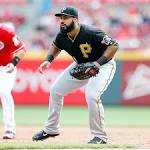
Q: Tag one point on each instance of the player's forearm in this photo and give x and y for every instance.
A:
(108, 54)
(110, 51)
(20, 54)
(53, 52)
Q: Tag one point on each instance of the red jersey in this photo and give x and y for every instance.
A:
(9, 44)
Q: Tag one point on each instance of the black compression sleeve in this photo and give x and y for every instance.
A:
(15, 60)
(50, 58)
(102, 60)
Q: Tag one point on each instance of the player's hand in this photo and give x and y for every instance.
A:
(10, 68)
(92, 71)
(45, 65)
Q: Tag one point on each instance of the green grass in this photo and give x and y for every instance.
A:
(115, 116)
(130, 116)
(23, 145)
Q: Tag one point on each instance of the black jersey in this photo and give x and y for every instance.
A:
(88, 46)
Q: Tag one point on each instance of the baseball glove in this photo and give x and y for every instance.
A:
(84, 71)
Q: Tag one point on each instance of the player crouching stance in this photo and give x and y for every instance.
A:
(93, 51)
(11, 51)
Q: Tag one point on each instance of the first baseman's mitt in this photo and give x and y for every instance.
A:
(84, 71)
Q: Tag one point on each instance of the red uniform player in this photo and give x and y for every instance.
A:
(11, 51)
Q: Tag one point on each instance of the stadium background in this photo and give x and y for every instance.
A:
(126, 21)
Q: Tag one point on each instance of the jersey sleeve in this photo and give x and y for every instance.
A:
(57, 42)
(105, 40)
(14, 43)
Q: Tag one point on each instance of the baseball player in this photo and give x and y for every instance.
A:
(11, 51)
(85, 44)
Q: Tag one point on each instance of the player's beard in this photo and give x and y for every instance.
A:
(68, 28)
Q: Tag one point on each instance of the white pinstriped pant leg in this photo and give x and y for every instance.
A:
(6, 85)
(94, 89)
(63, 85)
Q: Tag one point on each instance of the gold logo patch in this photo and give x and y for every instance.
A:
(85, 49)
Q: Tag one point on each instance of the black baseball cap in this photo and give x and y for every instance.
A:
(68, 11)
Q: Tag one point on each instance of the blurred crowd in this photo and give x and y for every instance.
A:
(128, 23)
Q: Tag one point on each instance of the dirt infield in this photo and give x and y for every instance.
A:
(139, 137)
